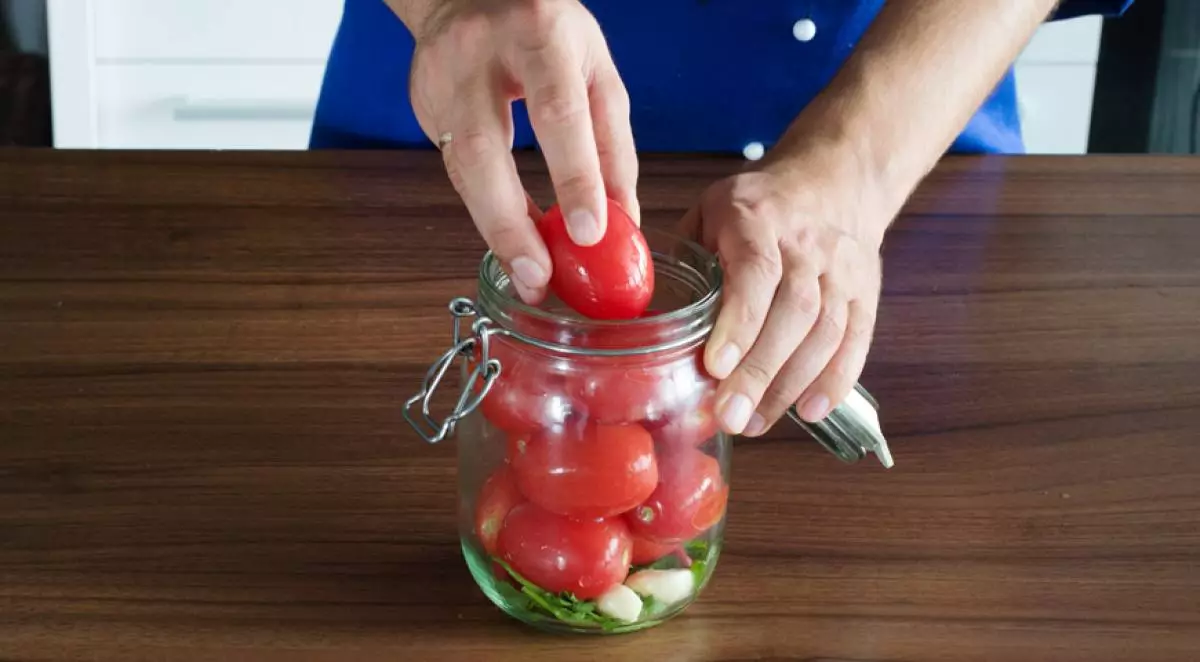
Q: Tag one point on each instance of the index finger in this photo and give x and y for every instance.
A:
(754, 270)
(481, 167)
(560, 113)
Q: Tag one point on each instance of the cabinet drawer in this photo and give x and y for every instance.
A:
(1056, 106)
(215, 29)
(206, 107)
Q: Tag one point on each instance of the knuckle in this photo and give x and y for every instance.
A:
(842, 380)
(753, 207)
(502, 237)
(577, 185)
(802, 293)
(755, 374)
(540, 20)
(831, 327)
(776, 399)
(757, 258)
(471, 148)
(862, 332)
(467, 30)
(555, 104)
(765, 265)
(801, 243)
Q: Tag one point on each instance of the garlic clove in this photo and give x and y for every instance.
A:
(666, 586)
(620, 602)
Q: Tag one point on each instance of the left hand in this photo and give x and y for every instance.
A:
(799, 242)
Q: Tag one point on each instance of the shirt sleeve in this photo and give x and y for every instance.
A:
(1074, 8)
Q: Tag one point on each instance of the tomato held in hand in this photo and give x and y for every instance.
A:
(584, 470)
(690, 498)
(497, 497)
(561, 554)
(610, 280)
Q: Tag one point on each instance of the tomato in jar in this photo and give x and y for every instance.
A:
(585, 470)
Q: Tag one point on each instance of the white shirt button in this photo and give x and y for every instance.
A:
(754, 151)
(804, 30)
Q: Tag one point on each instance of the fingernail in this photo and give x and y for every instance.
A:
(527, 295)
(815, 409)
(528, 273)
(756, 426)
(726, 360)
(583, 227)
(736, 413)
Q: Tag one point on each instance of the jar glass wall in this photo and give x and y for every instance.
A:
(593, 476)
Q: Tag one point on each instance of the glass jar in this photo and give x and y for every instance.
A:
(593, 475)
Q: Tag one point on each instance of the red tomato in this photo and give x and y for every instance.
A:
(561, 554)
(585, 471)
(690, 427)
(613, 279)
(626, 390)
(689, 405)
(647, 551)
(689, 499)
(528, 394)
(620, 390)
(497, 497)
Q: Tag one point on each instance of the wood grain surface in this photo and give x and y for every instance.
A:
(202, 455)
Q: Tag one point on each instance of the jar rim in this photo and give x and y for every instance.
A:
(692, 265)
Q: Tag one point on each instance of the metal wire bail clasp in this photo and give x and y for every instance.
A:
(487, 369)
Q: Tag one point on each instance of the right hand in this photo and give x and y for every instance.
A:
(473, 59)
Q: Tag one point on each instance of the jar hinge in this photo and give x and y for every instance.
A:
(486, 369)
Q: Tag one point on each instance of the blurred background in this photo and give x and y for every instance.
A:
(245, 74)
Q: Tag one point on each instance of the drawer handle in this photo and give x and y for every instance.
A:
(192, 109)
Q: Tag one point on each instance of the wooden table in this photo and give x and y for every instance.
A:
(202, 455)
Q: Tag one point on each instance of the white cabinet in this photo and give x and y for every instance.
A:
(214, 30)
(188, 74)
(245, 74)
(1056, 79)
(206, 106)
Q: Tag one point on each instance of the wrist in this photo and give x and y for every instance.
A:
(825, 158)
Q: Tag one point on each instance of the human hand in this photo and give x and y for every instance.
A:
(799, 242)
(473, 59)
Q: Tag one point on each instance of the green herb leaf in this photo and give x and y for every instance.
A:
(669, 562)
(696, 550)
(652, 607)
(513, 595)
(564, 607)
(698, 569)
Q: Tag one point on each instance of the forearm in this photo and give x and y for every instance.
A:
(918, 75)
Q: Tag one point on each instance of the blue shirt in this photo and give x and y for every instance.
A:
(702, 75)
